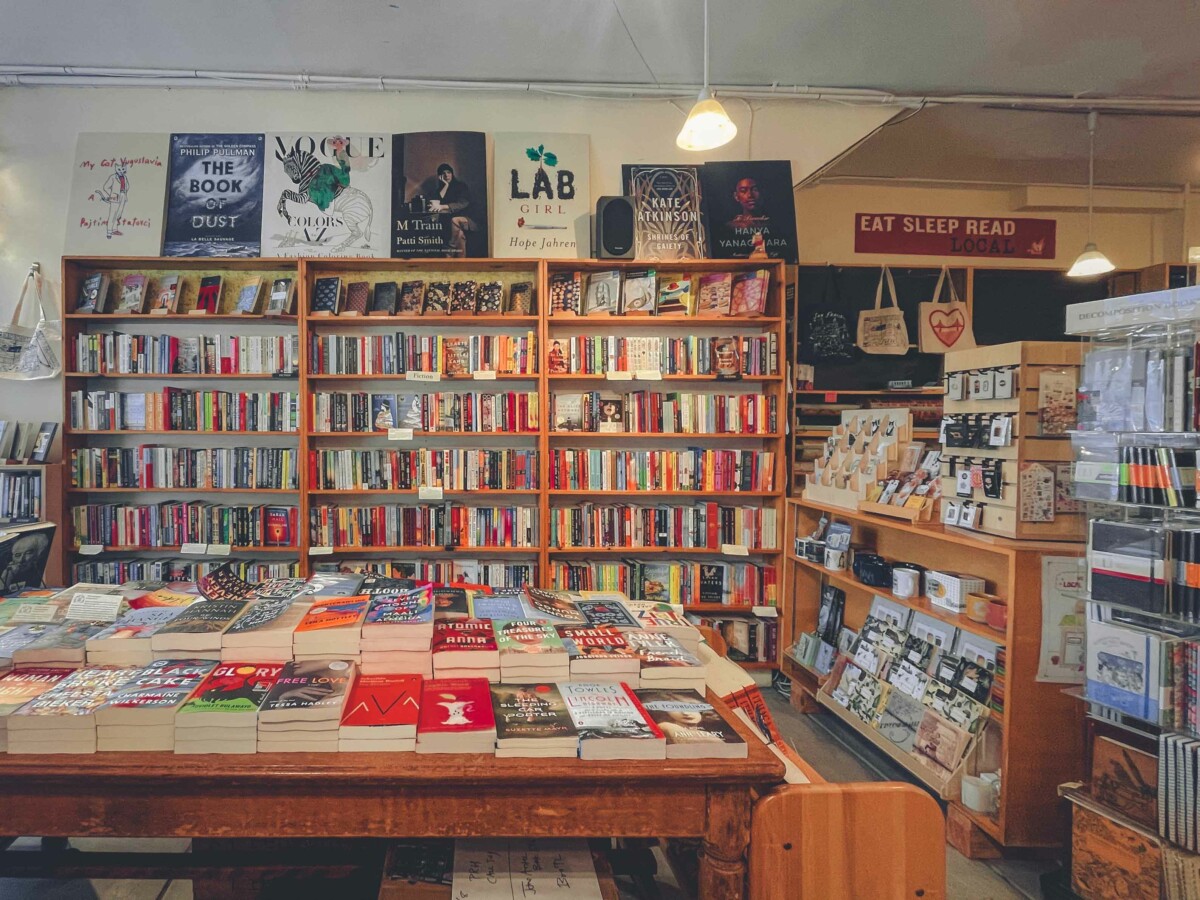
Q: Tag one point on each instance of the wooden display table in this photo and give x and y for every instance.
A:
(348, 795)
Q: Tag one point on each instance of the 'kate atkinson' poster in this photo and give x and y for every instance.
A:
(541, 195)
(439, 194)
(667, 220)
(214, 199)
(117, 192)
(745, 199)
(327, 195)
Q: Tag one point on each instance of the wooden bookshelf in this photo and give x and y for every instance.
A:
(1038, 732)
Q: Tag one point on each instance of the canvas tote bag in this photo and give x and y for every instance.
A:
(827, 337)
(26, 353)
(945, 326)
(882, 330)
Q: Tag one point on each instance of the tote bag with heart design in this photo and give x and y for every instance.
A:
(945, 326)
(881, 329)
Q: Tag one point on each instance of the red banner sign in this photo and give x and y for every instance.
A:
(916, 235)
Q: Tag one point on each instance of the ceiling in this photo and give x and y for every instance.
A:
(942, 46)
(968, 144)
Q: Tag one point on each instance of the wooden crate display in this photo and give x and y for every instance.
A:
(1034, 470)
(863, 448)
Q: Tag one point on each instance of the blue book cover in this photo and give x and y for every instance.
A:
(1118, 669)
(497, 607)
(214, 195)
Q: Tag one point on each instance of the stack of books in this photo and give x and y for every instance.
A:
(456, 717)
(691, 725)
(303, 711)
(664, 662)
(531, 651)
(59, 647)
(599, 653)
(331, 628)
(221, 716)
(611, 722)
(16, 637)
(381, 714)
(660, 618)
(264, 631)
(140, 714)
(532, 720)
(19, 687)
(127, 641)
(465, 648)
(196, 632)
(63, 720)
(398, 632)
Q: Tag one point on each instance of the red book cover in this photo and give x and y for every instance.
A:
(456, 706)
(335, 612)
(463, 634)
(383, 700)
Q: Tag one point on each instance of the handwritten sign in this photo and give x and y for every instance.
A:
(919, 235)
(501, 869)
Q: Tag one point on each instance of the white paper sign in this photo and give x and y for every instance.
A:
(35, 612)
(649, 375)
(400, 434)
(194, 549)
(766, 612)
(484, 375)
(91, 549)
(220, 549)
(422, 376)
(618, 376)
(735, 549)
(95, 607)
(501, 869)
(429, 493)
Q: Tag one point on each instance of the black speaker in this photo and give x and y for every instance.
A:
(612, 237)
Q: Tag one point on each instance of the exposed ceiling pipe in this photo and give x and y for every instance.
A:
(92, 76)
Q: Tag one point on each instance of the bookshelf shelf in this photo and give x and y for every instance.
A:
(176, 548)
(420, 435)
(181, 431)
(178, 490)
(658, 436)
(526, 551)
(732, 382)
(289, 321)
(446, 492)
(423, 321)
(664, 321)
(637, 551)
(186, 376)
(429, 385)
(656, 493)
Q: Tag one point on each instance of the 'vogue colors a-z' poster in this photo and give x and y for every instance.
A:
(214, 195)
(744, 199)
(439, 194)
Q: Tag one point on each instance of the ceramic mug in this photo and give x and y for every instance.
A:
(906, 582)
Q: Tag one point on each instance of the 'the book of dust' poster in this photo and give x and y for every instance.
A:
(214, 195)
(439, 194)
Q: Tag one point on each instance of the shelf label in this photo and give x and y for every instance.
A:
(648, 375)
(91, 549)
(429, 493)
(618, 376)
(220, 549)
(831, 397)
(484, 375)
(400, 434)
(320, 551)
(95, 607)
(766, 612)
(735, 549)
(35, 612)
(194, 549)
(422, 376)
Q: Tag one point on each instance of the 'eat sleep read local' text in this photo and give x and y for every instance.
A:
(922, 235)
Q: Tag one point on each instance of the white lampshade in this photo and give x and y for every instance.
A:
(1090, 262)
(707, 126)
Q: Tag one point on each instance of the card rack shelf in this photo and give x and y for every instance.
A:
(543, 439)
(1039, 722)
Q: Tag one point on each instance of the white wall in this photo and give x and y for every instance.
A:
(38, 127)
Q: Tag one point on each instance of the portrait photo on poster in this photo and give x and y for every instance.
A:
(744, 199)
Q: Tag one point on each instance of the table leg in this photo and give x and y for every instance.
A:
(726, 840)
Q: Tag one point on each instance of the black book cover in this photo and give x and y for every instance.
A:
(439, 195)
(327, 294)
(668, 222)
(743, 199)
(214, 195)
(384, 299)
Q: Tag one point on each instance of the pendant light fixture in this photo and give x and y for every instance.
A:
(708, 125)
(1091, 261)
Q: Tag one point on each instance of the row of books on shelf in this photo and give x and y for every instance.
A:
(174, 523)
(705, 525)
(155, 467)
(446, 525)
(398, 354)
(728, 357)
(644, 292)
(333, 295)
(693, 469)
(21, 493)
(26, 442)
(749, 638)
(1179, 790)
(180, 409)
(1145, 564)
(407, 470)
(116, 353)
(168, 294)
(675, 412)
(167, 569)
(472, 411)
(683, 581)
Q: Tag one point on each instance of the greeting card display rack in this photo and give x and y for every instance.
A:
(537, 322)
(864, 447)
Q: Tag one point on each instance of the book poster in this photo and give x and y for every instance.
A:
(439, 194)
(541, 195)
(668, 221)
(746, 199)
(118, 188)
(214, 199)
(1062, 659)
(327, 195)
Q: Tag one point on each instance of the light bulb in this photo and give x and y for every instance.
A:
(708, 125)
(1090, 262)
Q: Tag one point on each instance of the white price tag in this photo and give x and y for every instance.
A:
(422, 376)
(429, 493)
(484, 375)
(194, 549)
(619, 376)
(735, 549)
(35, 612)
(220, 549)
(766, 612)
(320, 551)
(400, 434)
(91, 549)
(95, 607)
(648, 375)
